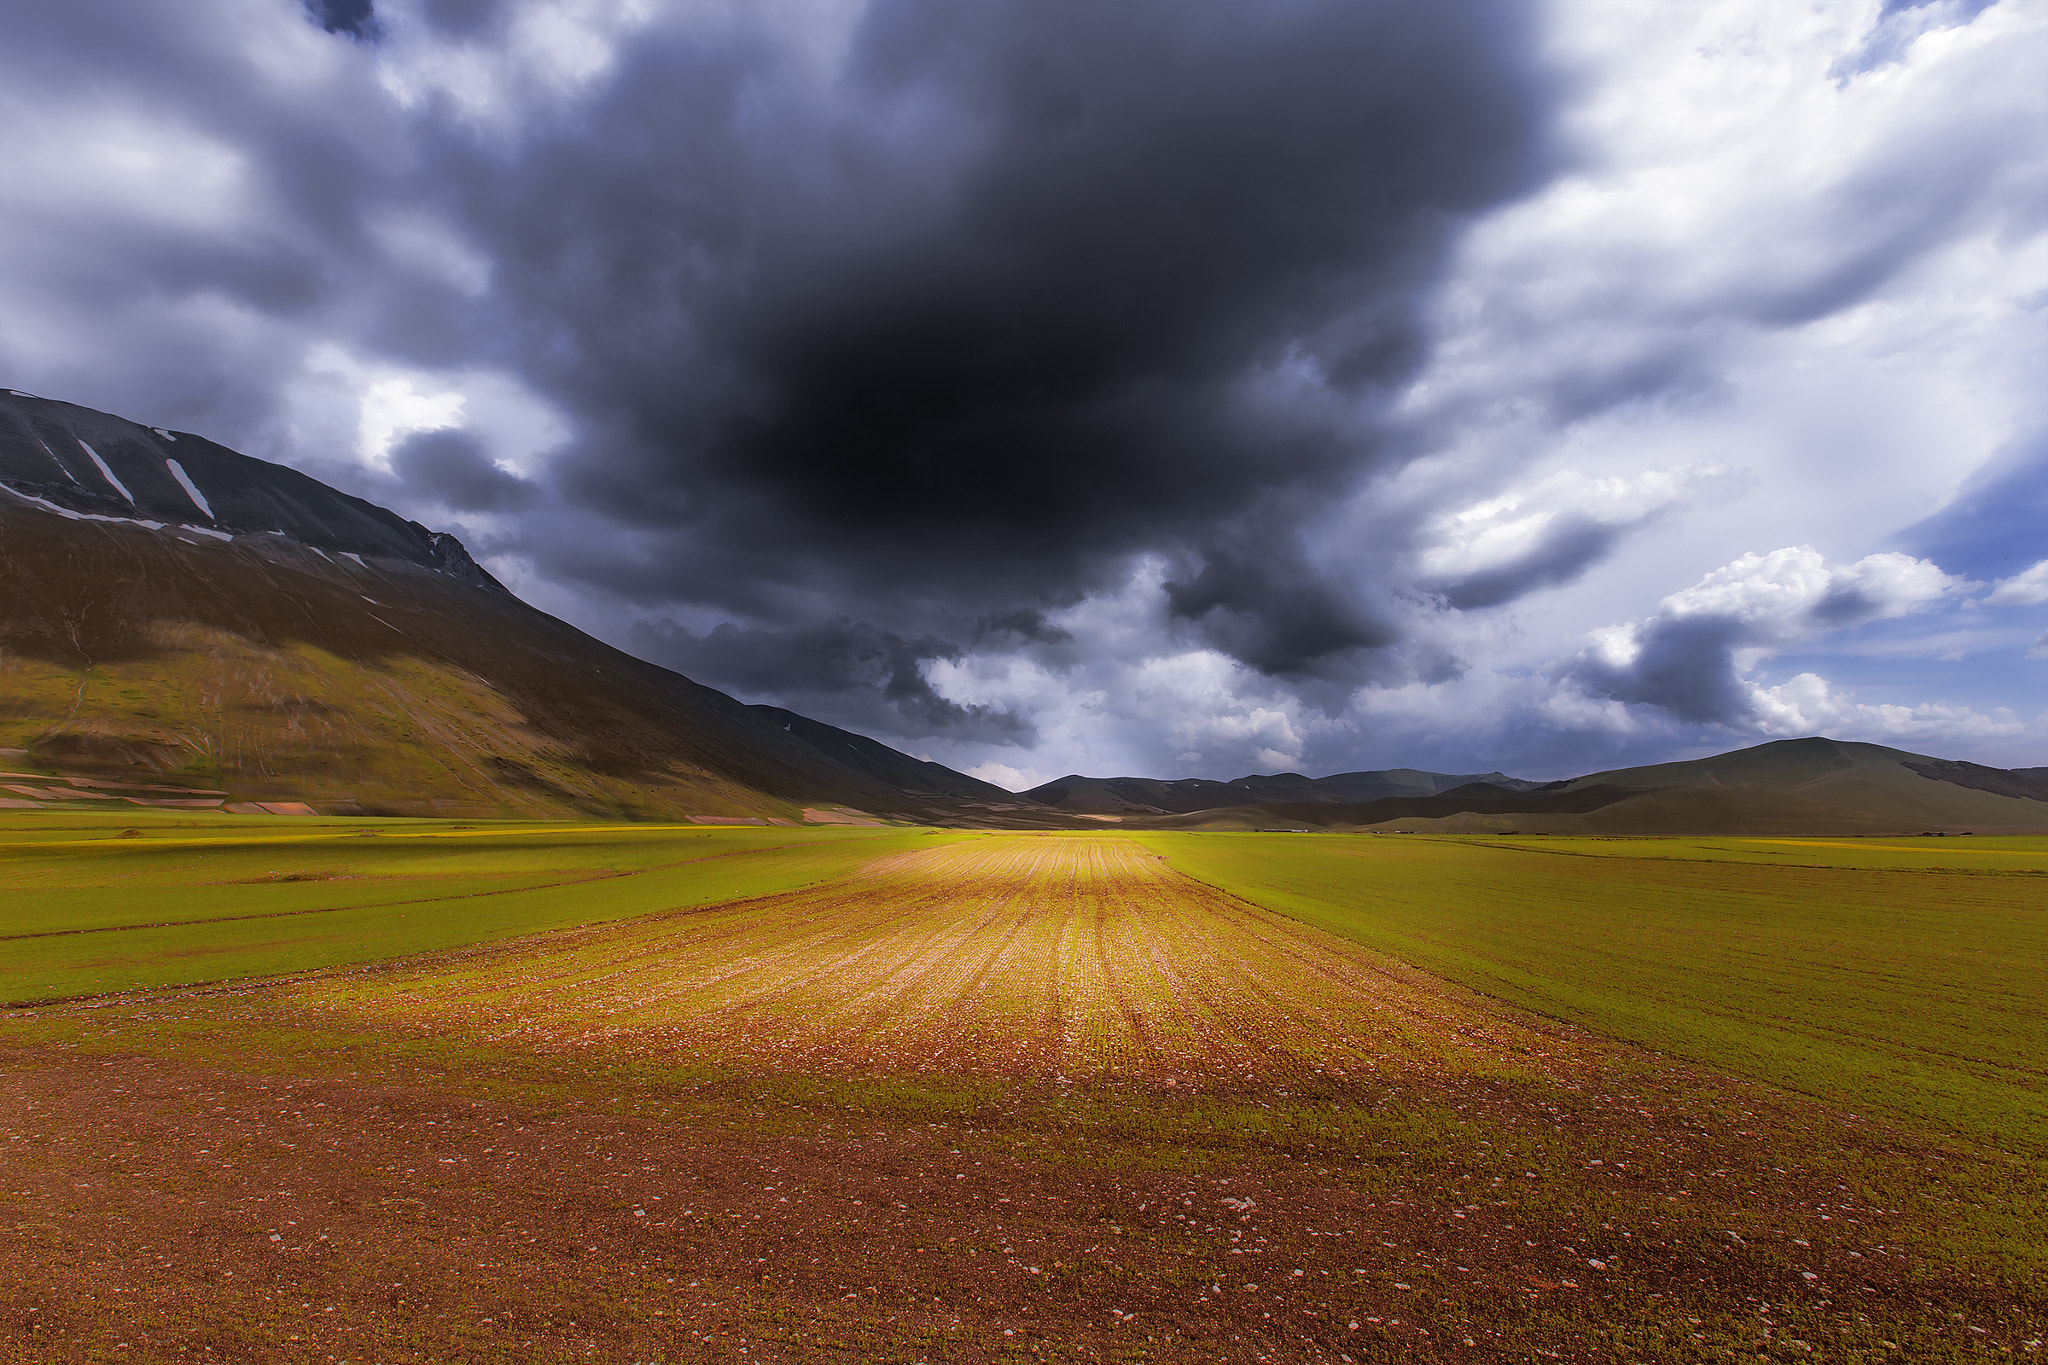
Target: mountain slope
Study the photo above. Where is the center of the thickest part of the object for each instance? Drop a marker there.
(1866, 782)
(174, 615)
(895, 769)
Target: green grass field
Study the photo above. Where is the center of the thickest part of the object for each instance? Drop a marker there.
(95, 903)
(1906, 976)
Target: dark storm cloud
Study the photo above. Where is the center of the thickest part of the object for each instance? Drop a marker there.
(463, 17)
(357, 18)
(1684, 666)
(937, 331)
(1254, 596)
(861, 670)
(1019, 295)
(1020, 627)
(451, 468)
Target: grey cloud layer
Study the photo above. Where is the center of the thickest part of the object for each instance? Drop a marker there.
(872, 677)
(452, 468)
(883, 351)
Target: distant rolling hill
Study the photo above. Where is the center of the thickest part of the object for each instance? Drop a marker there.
(1145, 796)
(1792, 786)
(1826, 782)
(182, 625)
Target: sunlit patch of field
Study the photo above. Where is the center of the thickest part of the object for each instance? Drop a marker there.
(1061, 957)
(1902, 975)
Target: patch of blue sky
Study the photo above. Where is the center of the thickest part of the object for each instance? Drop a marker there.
(1972, 655)
(1997, 526)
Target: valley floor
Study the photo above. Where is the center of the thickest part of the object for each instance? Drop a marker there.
(971, 1098)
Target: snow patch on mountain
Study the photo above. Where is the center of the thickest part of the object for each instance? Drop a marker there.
(108, 474)
(70, 515)
(191, 488)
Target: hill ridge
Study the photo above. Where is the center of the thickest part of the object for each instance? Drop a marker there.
(226, 632)
(1809, 785)
(1139, 795)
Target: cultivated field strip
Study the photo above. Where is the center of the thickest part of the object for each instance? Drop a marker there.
(1057, 957)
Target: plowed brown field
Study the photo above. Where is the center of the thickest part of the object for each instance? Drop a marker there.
(1055, 957)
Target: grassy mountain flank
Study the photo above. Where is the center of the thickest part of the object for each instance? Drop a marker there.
(257, 637)
(1867, 783)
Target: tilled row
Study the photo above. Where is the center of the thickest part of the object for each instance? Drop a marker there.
(1054, 957)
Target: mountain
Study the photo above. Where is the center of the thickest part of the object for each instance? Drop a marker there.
(1792, 786)
(1145, 796)
(188, 627)
(1832, 781)
(184, 625)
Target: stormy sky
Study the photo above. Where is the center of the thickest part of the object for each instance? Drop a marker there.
(1178, 387)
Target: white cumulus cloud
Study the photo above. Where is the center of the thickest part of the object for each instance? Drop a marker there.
(2022, 589)
(1691, 656)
